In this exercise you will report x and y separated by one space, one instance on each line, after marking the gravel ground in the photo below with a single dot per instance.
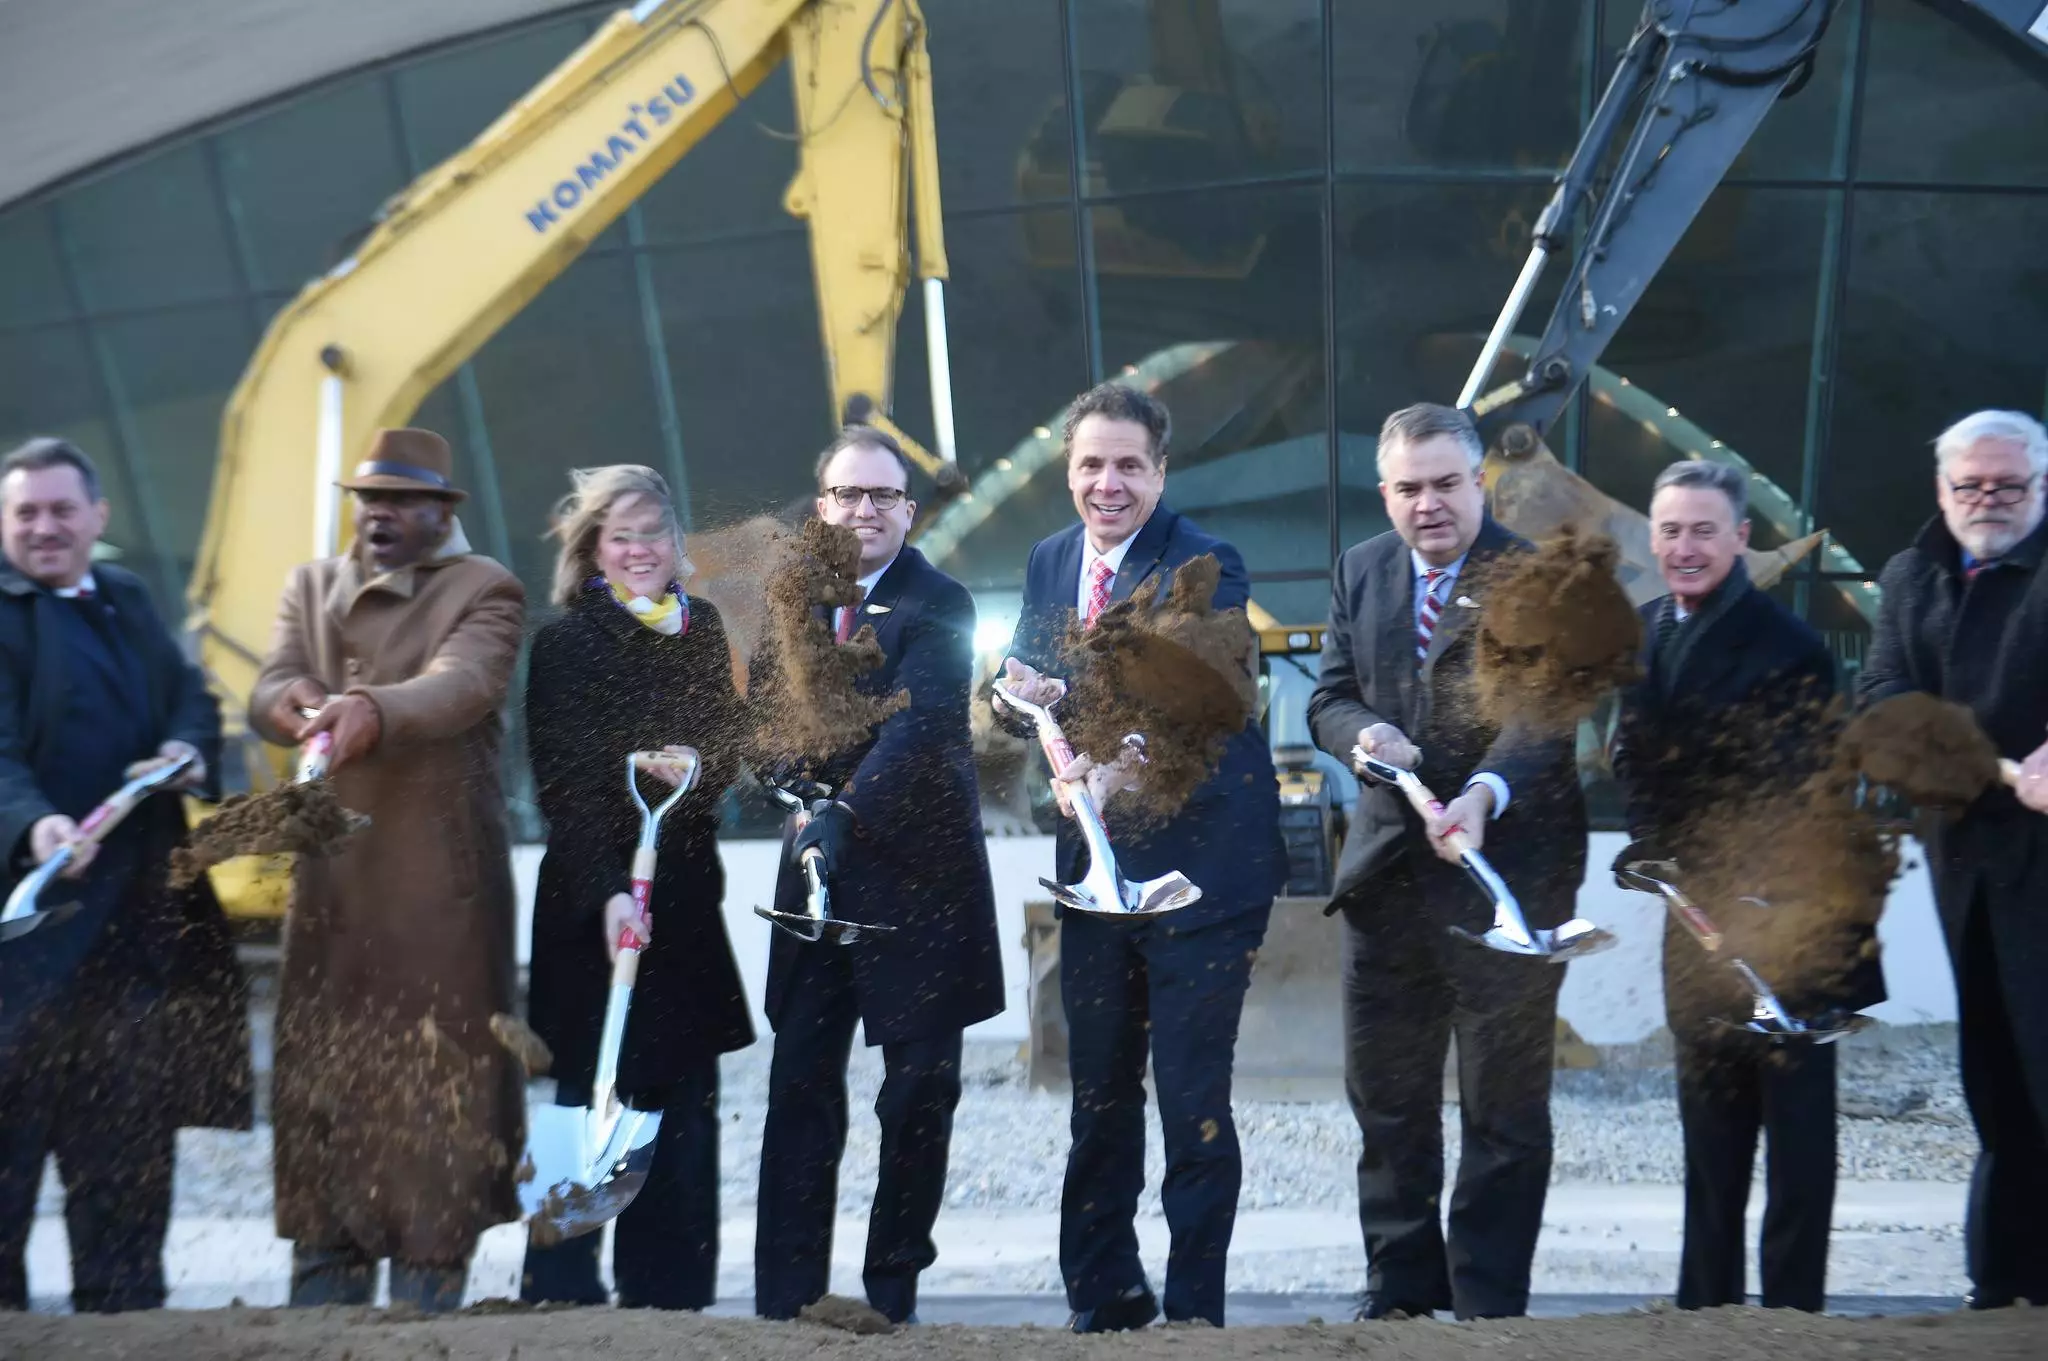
1903 1120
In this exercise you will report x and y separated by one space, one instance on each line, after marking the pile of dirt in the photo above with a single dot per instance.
301 819
848 1316
1927 749
808 703
643 1335
1178 671
1556 632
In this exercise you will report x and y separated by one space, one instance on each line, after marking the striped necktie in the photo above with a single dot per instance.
1100 575
842 628
1426 616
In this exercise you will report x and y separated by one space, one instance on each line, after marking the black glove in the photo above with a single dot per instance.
1644 849
831 829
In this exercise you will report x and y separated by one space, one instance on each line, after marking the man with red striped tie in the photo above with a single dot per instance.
1397 660
903 848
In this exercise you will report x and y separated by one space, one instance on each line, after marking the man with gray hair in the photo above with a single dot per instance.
1965 617
1730 707
1397 662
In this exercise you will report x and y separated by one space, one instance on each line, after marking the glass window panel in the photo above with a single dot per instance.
565 385
1723 338
150 235
1845 613
1422 271
31 288
1946 313
732 181
1217 297
1800 137
47 388
1013 310
310 175
740 323
1177 94
174 371
1471 84
1945 104
999 98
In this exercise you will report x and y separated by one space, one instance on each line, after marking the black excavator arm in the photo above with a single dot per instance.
1690 90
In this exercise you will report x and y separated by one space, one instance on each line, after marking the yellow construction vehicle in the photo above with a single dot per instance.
457 253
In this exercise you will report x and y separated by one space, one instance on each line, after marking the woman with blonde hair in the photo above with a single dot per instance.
633 663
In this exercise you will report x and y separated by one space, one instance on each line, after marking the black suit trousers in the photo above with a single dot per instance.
804 1139
1731 1086
1409 985
85 1083
2003 1242
1126 987
664 1244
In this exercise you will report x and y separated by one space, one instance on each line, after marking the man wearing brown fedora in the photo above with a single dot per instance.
396 1116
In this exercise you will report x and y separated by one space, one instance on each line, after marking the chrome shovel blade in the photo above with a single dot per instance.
18 927
567 1187
1144 898
1576 939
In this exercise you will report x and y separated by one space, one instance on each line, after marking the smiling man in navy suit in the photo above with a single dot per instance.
904 849
1177 980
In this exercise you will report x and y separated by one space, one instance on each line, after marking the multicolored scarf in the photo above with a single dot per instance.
669 615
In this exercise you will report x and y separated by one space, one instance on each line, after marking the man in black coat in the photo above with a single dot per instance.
1173 984
124 1020
1965 617
1730 708
904 848
1397 659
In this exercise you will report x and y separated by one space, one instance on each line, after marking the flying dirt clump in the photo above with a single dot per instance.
519 1039
1179 671
304 819
1929 750
1556 632
808 705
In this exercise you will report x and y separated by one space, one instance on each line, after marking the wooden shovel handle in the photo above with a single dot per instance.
2009 771
1427 804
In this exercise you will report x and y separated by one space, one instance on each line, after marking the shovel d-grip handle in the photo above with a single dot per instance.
631 940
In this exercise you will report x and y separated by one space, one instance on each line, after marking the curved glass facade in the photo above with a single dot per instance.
1298 214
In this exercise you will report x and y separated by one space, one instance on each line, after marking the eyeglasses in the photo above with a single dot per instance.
1996 494
885 498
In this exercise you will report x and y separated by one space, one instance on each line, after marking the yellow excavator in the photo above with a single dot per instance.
457 253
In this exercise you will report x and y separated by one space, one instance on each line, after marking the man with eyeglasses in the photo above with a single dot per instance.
903 848
1965 617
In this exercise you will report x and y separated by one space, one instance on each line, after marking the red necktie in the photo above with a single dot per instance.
1100 574
843 620
1426 617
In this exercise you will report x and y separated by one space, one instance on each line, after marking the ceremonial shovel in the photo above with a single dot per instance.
1103 888
816 921
1510 932
20 915
584 1164
1767 1015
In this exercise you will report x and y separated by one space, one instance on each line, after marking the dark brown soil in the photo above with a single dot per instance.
1927 749
647 1335
520 1041
733 565
1557 632
1178 671
808 705
304 819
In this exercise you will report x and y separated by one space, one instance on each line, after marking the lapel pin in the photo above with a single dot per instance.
877 609
1468 602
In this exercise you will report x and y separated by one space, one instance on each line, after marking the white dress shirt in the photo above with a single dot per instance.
85 584
1445 599
1114 557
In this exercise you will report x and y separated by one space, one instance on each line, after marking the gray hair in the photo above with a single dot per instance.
45 452
1709 476
579 516
2016 426
1114 401
1427 421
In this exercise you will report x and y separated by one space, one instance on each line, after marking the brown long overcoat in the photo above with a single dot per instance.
397 1118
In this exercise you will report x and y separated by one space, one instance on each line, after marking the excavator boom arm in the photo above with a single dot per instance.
461 250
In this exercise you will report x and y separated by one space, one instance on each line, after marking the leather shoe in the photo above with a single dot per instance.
1392 1310
1134 1308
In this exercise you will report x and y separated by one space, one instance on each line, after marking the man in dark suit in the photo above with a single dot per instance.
904 848
1730 708
1175 983
1965 617
1397 658
125 1019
